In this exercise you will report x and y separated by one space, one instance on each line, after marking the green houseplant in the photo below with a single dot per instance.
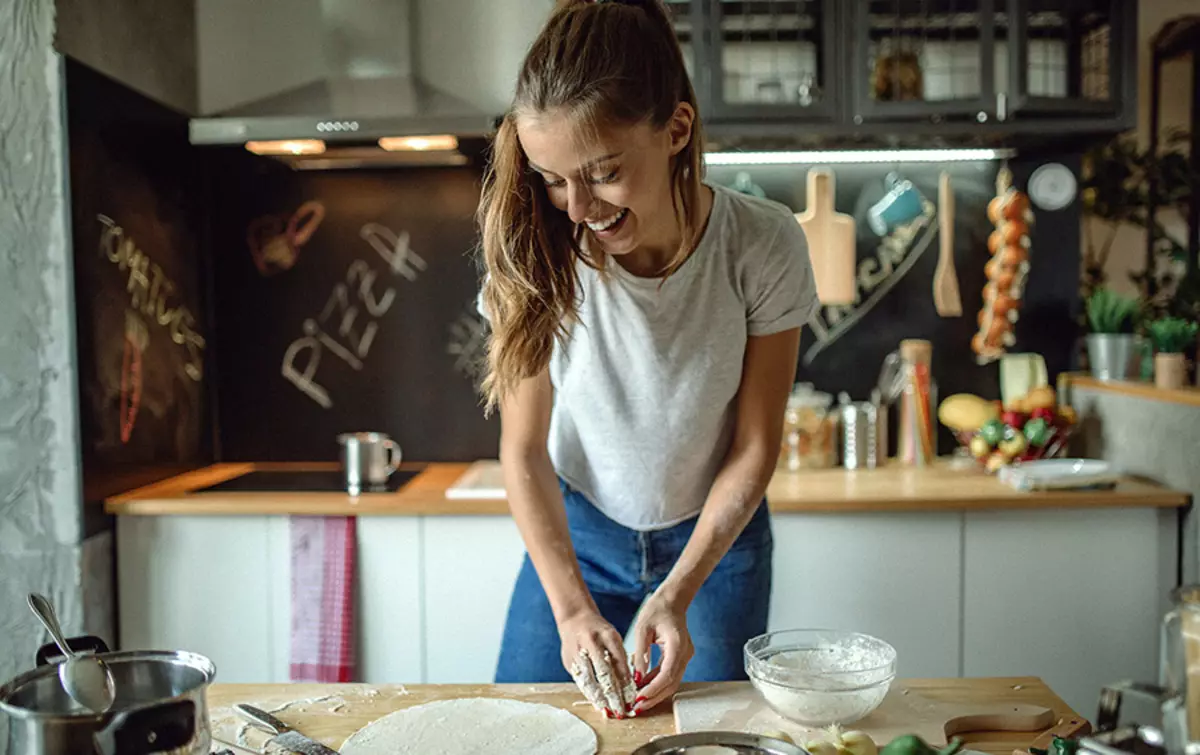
1171 336
1112 350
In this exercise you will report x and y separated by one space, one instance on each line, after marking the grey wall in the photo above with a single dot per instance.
40 497
1147 438
149 45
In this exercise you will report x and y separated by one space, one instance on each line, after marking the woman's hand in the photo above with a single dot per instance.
593 653
664 623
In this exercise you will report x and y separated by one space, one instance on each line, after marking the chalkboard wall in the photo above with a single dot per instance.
345 302
325 329
141 322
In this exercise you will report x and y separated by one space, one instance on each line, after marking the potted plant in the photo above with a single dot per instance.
1171 335
1112 351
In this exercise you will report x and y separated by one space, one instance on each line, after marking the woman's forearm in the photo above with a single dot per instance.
536 503
735 495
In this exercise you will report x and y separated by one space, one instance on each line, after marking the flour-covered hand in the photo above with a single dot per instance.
594 655
661 623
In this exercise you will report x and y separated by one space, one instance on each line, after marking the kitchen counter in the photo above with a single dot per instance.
331 713
889 489
1187 395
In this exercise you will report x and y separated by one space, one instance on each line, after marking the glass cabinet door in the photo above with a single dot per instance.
924 59
772 58
1064 56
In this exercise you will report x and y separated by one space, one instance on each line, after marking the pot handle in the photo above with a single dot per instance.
87 643
151 729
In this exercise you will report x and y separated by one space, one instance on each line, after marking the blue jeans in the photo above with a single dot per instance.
621 567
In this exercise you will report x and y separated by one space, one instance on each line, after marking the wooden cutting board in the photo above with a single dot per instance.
831 241
482 480
904 711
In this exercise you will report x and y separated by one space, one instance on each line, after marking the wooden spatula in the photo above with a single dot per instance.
945 279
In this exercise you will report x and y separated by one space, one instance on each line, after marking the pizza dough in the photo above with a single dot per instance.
475 726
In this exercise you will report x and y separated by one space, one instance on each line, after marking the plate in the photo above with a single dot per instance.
1059 474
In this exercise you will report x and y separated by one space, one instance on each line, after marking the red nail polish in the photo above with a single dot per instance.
637 678
607 713
641 699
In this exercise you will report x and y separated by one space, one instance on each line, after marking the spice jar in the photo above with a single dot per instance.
809 430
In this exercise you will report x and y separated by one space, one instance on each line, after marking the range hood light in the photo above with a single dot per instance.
436 142
855 156
287 147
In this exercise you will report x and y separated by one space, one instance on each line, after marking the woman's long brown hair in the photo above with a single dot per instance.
611 62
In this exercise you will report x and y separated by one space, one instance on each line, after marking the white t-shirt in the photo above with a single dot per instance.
645 385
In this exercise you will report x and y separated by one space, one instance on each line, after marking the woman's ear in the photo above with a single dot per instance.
679 128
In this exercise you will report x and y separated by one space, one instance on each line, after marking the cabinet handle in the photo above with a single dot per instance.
1001 106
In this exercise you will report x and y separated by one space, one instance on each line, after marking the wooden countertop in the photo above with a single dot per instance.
330 713
1187 395
891 488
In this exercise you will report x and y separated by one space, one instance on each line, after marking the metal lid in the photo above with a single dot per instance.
141 677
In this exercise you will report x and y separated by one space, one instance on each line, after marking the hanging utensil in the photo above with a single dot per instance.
946 298
831 241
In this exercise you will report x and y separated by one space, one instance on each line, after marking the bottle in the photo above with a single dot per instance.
918 401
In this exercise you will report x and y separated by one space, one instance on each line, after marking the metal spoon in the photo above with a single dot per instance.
85 678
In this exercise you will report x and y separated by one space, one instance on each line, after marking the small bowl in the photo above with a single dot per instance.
819 677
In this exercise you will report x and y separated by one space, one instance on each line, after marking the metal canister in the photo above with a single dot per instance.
863 433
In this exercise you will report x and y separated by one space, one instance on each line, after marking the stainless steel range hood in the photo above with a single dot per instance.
373 89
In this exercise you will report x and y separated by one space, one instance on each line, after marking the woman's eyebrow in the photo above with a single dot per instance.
582 168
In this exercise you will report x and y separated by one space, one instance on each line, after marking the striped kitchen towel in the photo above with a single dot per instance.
322 598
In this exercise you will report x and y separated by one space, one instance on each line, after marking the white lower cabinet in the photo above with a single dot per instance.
389 600
471 563
894 576
212 585
1072 596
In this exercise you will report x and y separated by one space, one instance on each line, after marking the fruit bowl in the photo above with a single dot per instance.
996 447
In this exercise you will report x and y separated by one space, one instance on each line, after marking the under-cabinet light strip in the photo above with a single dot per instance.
856 156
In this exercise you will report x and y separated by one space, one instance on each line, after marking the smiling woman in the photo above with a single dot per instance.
645 330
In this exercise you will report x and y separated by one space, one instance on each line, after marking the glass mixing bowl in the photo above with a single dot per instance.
819 677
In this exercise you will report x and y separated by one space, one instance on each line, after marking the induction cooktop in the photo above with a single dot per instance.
293 481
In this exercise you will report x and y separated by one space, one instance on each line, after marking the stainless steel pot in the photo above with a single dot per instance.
161 706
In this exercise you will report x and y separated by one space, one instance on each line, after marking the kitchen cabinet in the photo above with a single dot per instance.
388 601
1076 602
945 67
470 565
761 59
218 586
894 576
1071 595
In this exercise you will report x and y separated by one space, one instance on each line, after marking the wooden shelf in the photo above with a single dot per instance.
1187 395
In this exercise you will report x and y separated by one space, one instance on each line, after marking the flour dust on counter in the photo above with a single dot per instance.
347 315
475 726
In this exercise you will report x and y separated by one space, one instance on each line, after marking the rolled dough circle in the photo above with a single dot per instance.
475 726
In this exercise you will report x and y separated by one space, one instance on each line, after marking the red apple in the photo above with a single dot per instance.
1044 413
1015 420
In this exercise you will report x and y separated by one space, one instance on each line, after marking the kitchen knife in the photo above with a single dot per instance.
285 737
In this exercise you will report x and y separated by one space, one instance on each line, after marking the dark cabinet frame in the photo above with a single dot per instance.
846 106
829 69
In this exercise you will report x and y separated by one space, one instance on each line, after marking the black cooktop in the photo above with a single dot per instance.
284 480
